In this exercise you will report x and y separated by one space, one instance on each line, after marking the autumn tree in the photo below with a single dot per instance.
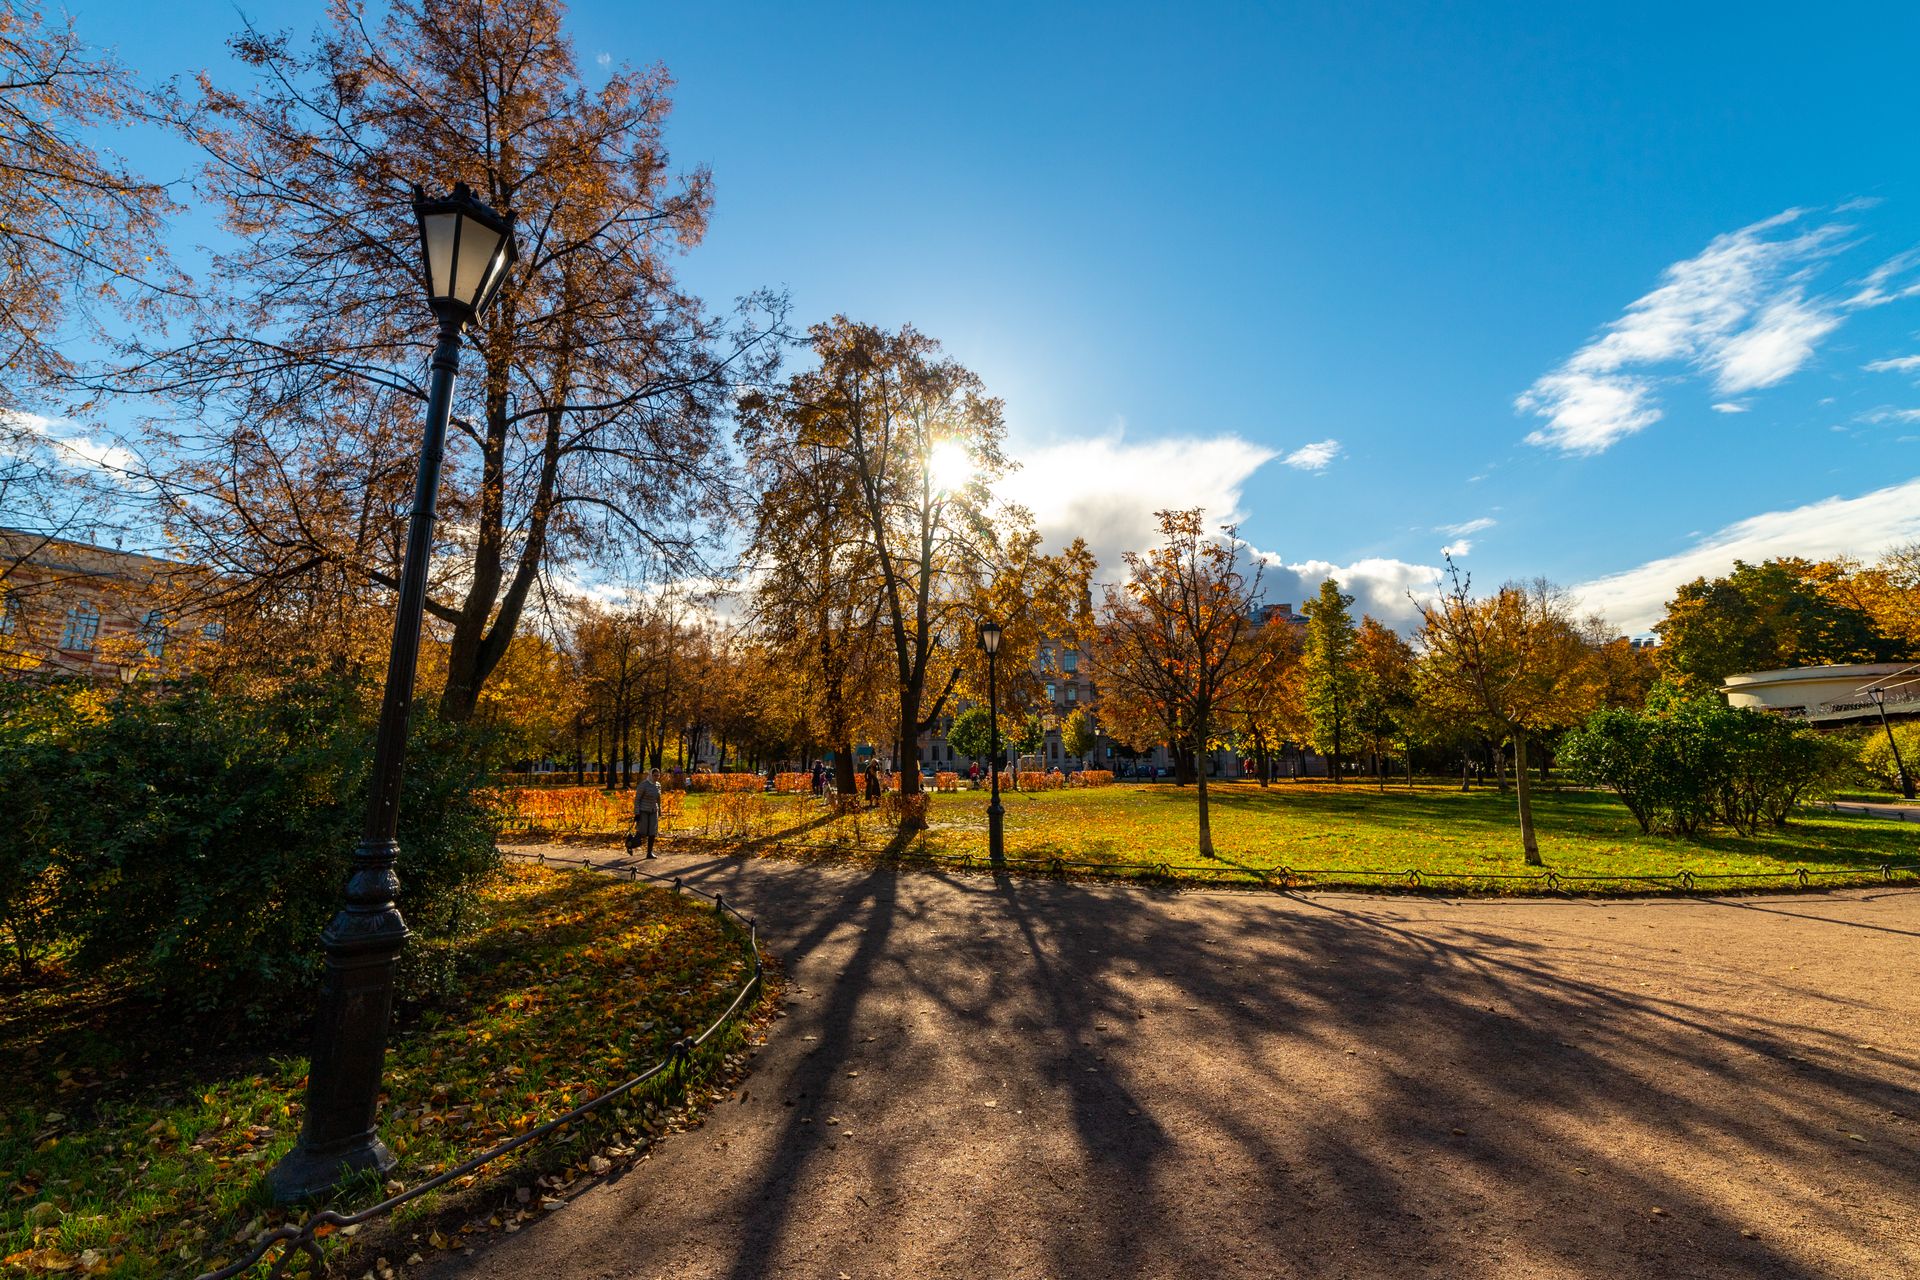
80 244
915 439
1760 617
1077 735
1328 674
1170 635
78 226
1268 709
1516 663
815 596
1383 694
582 433
1886 591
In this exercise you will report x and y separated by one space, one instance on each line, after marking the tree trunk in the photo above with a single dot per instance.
1525 791
843 777
909 743
1206 823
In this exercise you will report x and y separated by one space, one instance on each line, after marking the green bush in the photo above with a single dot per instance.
1688 762
1875 758
198 839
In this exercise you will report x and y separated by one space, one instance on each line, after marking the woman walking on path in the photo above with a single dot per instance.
873 784
646 811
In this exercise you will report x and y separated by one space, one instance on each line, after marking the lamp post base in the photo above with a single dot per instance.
305 1174
996 835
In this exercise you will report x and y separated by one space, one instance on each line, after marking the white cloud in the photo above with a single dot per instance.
1882 285
1462 547
1106 489
1895 364
604 59
1774 347
1729 406
31 431
1585 413
1313 457
1379 587
1635 599
1889 415
1466 527
1734 310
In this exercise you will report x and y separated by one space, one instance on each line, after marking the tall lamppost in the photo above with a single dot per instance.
996 816
468 248
1879 697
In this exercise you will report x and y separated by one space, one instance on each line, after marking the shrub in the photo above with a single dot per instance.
793 784
1091 778
946 782
726 782
737 815
1035 780
578 811
1686 762
1875 758
200 838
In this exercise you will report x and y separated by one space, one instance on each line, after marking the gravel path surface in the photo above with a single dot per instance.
1025 1078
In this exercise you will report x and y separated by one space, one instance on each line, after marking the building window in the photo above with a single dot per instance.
153 634
213 630
1070 660
1073 693
1049 691
13 614
82 629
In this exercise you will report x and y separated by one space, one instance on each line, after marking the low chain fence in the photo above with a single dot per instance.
293 1240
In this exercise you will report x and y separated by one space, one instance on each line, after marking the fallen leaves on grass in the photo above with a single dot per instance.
574 983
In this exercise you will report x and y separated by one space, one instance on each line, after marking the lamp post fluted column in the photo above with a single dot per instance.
467 250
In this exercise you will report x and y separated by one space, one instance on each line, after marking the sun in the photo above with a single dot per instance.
949 466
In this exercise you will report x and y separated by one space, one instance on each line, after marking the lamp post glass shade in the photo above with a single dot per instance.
467 248
990 637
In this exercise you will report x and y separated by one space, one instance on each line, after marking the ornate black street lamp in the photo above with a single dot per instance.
1879 697
468 248
996 816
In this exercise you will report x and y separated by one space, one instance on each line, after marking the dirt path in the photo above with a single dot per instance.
1026 1078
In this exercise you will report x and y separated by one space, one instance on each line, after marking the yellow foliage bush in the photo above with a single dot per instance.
736 815
724 782
577 811
946 782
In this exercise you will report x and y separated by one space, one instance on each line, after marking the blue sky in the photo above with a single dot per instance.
1389 242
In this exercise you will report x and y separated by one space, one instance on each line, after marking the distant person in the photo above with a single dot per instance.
973 775
873 784
646 811
819 778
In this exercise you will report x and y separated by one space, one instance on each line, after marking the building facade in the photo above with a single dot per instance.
71 609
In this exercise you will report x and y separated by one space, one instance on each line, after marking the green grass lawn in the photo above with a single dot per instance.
1437 830
1353 833
122 1155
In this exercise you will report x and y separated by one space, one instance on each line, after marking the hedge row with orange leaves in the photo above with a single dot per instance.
725 782
577 811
